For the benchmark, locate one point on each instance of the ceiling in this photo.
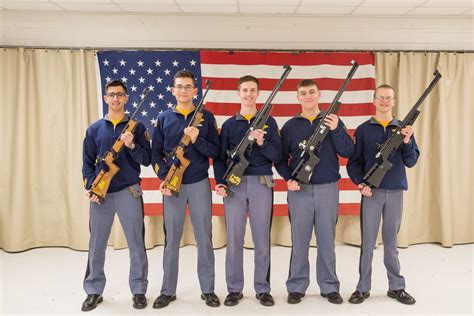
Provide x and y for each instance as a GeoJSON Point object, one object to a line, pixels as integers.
{"type": "Point", "coordinates": [345, 8]}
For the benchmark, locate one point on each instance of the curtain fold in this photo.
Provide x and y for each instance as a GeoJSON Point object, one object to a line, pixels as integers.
{"type": "Point", "coordinates": [49, 98]}
{"type": "Point", "coordinates": [438, 205]}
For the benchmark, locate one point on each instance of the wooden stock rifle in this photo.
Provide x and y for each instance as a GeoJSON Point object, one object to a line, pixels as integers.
{"type": "Point", "coordinates": [175, 174]}
{"type": "Point", "coordinates": [101, 183]}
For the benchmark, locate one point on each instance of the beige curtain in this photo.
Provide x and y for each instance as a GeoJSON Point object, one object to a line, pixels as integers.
{"type": "Point", "coordinates": [49, 98]}
{"type": "Point", "coordinates": [438, 205]}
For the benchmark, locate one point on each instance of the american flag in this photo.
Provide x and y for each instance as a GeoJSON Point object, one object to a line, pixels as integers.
{"type": "Point", "coordinates": [155, 69]}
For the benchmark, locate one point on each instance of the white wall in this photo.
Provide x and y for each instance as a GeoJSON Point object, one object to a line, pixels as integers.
{"type": "Point", "coordinates": [24, 28]}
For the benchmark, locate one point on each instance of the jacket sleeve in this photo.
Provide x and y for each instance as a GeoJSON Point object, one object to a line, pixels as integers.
{"type": "Point", "coordinates": [271, 147]}
{"type": "Point", "coordinates": [89, 154]}
{"type": "Point", "coordinates": [141, 153]}
{"type": "Point", "coordinates": [158, 157]}
{"type": "Point", "coordinates": [220, 163]}
{"type": "Point", "coordinates": [342, 140]}
{"type": "Point", "coordinates": [209, 146]}
{"type": "Point", "coordinates": [410, 153]}
{"type": "Point", "coordinates": [282, 166]}
{"type": "Point", "coordinates": [356, 163]}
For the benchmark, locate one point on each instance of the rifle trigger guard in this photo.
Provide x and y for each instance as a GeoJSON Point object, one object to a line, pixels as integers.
{"type": "Point", "coordinates": [302, 145]}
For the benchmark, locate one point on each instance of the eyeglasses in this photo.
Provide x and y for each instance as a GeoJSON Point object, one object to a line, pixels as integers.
{"type": "Point", "coordinates": [116, 94]}
{"type": "Point", "coordinates": [381, 98]}
{"type": "Point", "coordinates": [186, 87]}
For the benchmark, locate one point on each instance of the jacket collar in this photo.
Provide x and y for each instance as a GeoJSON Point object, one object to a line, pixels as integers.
{"type": "Point", "coordinates": [393, 122]}
{"type": "Point", "coordinates": [126, 118]}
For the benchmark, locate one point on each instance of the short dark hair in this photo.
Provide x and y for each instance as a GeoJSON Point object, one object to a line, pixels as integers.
{"type": "Point", "coordinates": [306, 83]}
{"type": "Point", "coordinates": [386, 86]}
{"type": "Point", "coordinates": [116, 83]}
{"type": "Point", "coordinates": [184, 74]}
{"type": "Point", "coordinates": [246, 79]}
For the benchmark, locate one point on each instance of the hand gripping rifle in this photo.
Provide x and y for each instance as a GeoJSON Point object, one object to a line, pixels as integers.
{"type": "Point", "coordinates": [237, 160]}
{"type": "Point", "coordinates": [377, 172]}
{"type": "Point", "coordinates": [308, 157]}
{"type": "Point", "coordinates": [101, 183]}
{"type": "Point", "coordinates": [175, 173]}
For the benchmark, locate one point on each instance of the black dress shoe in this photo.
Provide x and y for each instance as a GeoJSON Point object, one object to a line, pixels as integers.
{"type": "Point", "coordinates": [211, 299]}
{"type": "Point", "coordinates": [163, 301]}
{"type": "Point", "coordinates": [265, 299]}
{"type": "Point", "coordinates": [233, 299]}
{"type": "Point", "coordinates": [91, 302]}
{"type": "Point", "coordinates": [294, 297]}
{"type": "Point", "coordinates": [401, 296]}
{"type": "Point", "coordinates": [358, 297]}
{"type": "Point", "coordinates": [139, 301]}
{"type": "Point", "coordinates": [333, 297]}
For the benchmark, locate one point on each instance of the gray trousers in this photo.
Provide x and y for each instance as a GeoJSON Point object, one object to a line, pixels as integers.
{"type": "Point", "coordinates": [255, 198]}
{"type": "Point", "coordinates": [313, 206]}
{"type": "Point", "coordinates": [130, 213]}
{"type": "Point", "coordinates": [198, 197]}
{"type": "Point", "coordinates": [386, 203]}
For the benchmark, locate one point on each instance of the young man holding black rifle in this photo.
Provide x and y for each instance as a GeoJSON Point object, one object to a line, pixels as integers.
{"type": "Point", "coordinates": [113, 142]}
{"type": "Point", "coordinates": [310, 167]}
{"type": "Point", "coordinates": [381, 186]}
{"type": "Point", "coordinates": [247, 188]}
{"type": "Point", "coordinates": [175, 136]}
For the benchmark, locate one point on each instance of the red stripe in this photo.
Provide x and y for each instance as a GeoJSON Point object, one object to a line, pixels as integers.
{"type": "Point", "coordinates": [156, 209]}
{"type": "Point", "coordinates": [282, 58]}
{"type": "Point", "coordinates": [290, 84]}
{"type": "Point", "coordinates": [230, 109]}
{"type": "Point", "coordinates": [152, 184]}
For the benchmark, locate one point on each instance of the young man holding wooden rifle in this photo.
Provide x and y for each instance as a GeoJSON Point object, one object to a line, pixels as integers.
{"type": "Point", "coordinates": [194, 191]}
{"type": "Point", "coordinates": [253, 194]}
{"type": "Point", "coordinates": [124, 195]}
{"type": "Point", "coordinates": [387, 199]}
{"type": "Point", "coordinates": [313, 203]}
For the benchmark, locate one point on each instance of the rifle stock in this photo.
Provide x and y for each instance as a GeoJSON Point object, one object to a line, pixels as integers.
{"type": "Point", "coordinates": [377, 172]}
{"type": "Point", "coordinates": [101, 183]}
{"type": "Point", "coordinates": [234, 174]}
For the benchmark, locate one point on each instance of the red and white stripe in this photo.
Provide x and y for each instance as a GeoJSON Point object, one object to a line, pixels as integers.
{"type": "Point", "coordinates": [329, 71]}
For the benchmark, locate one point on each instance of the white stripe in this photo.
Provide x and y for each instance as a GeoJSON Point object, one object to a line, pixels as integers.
{"type": "Point", "coordinates": [147, 172]}
{"type": "Point", "coordinates": [351, 122]}
{"type": "Point", "coordinates": [289, 97]}
{"type": "Point", "coordinates": [352, 196]}
{"type": "Point", "coordinates": [275, 72]}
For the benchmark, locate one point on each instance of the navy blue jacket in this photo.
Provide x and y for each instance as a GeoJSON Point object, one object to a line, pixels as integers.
{"type": "Point", "coordinates": [100, 137]}
{"type": "Point", "coordinates": [167, 135]}
{"type": "Point", "coordinates": [260, 157]}
{"type": "Point", "coordinates": [337, 142]}
{"type": "Point", "coordinates": [368, 135]}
